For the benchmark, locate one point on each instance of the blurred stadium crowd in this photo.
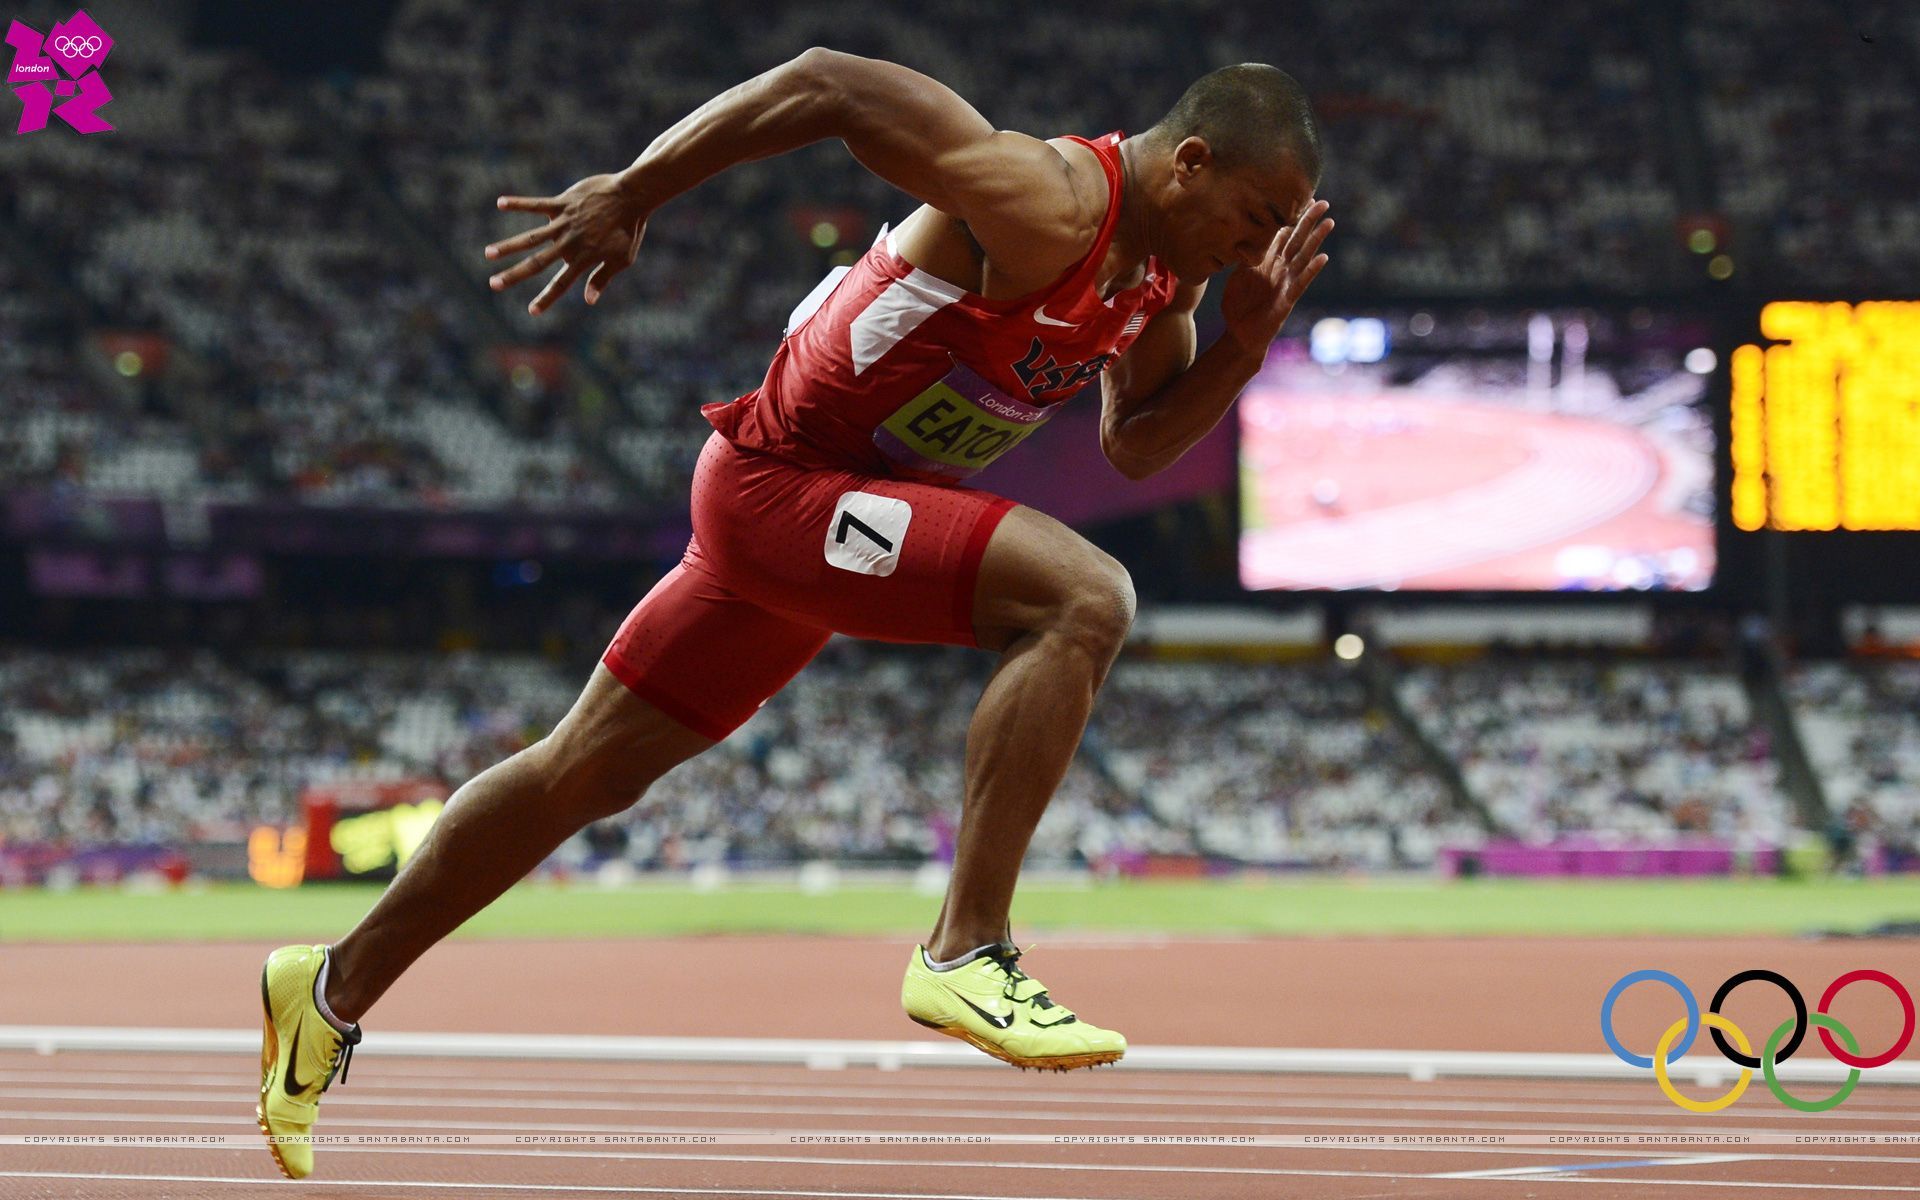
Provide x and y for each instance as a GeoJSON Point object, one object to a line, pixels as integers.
{"type": "Point", "coordinates": [328, 336]}
{"type": "Point", "coordinates": [269, 288]}
{"type": "Point", "coordinates": [860, 759]}
{"type": "Point", "coordinates": [1862, 730]}
{"type": "Point", "coordinates": [1643, 749]}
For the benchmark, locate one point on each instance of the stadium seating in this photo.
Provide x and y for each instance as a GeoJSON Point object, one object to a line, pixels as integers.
{"type": "Point", "coordinates": [311, 359]}
{"type": "Point", "coordinates": [1475, 148]}
{"type": "Point", "coordinates": [1639, 749]}
{"type": "Point", "coordinates": [1861, 726]}
{"type": "Point", "coordinates": [298, 243]}
{"type": "Point", "coordinates": [1273, 764]}
{"type": "Point", "coordinates": [861, 758]}
{"type": "Point", "coordinates": [302, 248]}
{"type": "Point", "coordinates": [1806, 110]}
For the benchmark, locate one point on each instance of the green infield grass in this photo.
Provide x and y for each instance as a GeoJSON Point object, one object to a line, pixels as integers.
{"type": "Point", "coordinates": [1344, 906]}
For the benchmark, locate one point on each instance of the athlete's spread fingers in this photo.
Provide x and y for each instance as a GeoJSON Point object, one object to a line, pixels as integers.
{"type": "Point", "coordinates": [1298, 261]}
{"type": "Point", "coordinates": [550, 205]}
{"type": "Point", "coordinates": [598, 281]}
{"type": "Point", "coordinates": [1308, 276]}
{"type": "Point", "coordinates": [1291, 239]}
{"type": "Point", "coordinates": [1276, 248]}
{"type": "Point", "coordinates": [556, 287]}
{"type": "Point", "coordinates": [1312, 245]}
{"type": "Point", "coordinates": [526, 267]}
{"type": "Point", "coordinates": [1314, 212]}
{"type": "Point", "coordinates": [526, 240]}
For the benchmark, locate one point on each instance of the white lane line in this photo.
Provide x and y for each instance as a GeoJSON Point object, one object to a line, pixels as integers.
{"type": "Point", "coordinates": [604, 1189]}
{"type": "Point", "coordinates": [336, 1103]}
{"type": "Point", "coordinates": [812, 1160]}
{"type": "Point", "coordinates": [1412, 1121]}
{"type": "Point", "coordinates": [1076, 1090]}
{"type": "Point", "coordinates": [166, 1084]}
{"type": "Point", "coordinates": [1427, 1095]}
{"type": "Point", "coordinates": [371, 1125]}
{"type": "Point", "coordinates": [409, 1091]}
{"type": "Point", "coordinates": [831, 1054]}
{"type": "Point", "coordinates": [1026, 1122]}
{"type": "Point", "coordinates": [163, 1088]}
{"type": "Point", "coordinates": [1080, 1098]}
{"type": "Point", "coordinates": [1637, 1161]}
{"type": "Point", "coordinates": [1676, 1158]}
{"type": "Point", "coordinates": [1144, 1168]}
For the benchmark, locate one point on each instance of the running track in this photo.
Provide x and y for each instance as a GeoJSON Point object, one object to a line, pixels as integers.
{"type": "Point", "coordinates": [198, 1094]}
{"type": "Point", "coordinates": [1519, 994]}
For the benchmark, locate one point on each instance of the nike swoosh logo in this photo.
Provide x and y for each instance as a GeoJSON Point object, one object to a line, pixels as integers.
{"type": "Point", "coordinates": [989, 1018]}
{"type": "Point", "coordinates": [293, 1086]}
{"type": "Point", "coordinates": [1040, 315]}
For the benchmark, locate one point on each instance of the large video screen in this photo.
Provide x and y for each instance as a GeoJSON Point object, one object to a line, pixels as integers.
{"type": "Point", "coordinates": [1476, 449]}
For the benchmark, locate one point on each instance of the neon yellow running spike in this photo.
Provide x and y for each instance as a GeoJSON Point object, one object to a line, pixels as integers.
{"type": "Point", "coordinates": [992, 1005]}
{"type": "Point", "coordinates": [299, 1055]}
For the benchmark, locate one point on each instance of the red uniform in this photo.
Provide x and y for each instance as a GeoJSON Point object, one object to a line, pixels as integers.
{"type": "Point", "coordinates": [827, 499]}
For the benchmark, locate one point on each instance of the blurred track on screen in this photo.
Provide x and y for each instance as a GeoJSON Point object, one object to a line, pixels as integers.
{"type": "Point", "coordinates": [1515, 451]}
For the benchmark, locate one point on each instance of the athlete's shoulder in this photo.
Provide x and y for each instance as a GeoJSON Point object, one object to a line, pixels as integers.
{"type": "Point", "coordinates": [1036, 206]}
{"type": "Point", "coordinates": [1092, 176]}
{"type": "Point", "coordinates": [1052, 221]}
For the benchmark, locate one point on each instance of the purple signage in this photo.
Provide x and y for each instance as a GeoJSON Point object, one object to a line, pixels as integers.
{"type": "Point", "coordinates": [64, 519]}
{"type": "Point", "coordinates": [1596, 857]}
{"type": "Point", "coordinates": [74, 48]}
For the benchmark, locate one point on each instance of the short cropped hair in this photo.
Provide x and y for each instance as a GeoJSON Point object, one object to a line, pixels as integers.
{"type": "Point", "coordinates": [1248, 113]}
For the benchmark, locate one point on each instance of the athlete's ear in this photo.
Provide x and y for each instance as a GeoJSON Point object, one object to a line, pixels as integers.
{"type": "Point", "coordinates": [1192, 158]}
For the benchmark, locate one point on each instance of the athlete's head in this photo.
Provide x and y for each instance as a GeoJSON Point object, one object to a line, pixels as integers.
{"type": "Point", "coordinates": [1236, 157]}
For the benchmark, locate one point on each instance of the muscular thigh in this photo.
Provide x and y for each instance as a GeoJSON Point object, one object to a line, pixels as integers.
{"type": "Point", "coordinates": [876, 558]}
{"type": "Point", "coordinates": [704, 655]}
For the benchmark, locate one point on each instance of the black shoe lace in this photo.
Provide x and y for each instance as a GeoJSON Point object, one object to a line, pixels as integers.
{"type": "Point", "coordinates": [1007, 958]}
{"type": "Point", "coordinates": [342, 1057]}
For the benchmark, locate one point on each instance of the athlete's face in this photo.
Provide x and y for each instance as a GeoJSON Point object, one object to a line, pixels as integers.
{"type": "Point", "coordinates": [1218, 217]}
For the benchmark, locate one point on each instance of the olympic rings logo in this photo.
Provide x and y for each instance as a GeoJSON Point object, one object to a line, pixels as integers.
{"type": "Point", "coordinates": [77, 47]}
{"type": "Point", "coordinates": [1688, 1027]}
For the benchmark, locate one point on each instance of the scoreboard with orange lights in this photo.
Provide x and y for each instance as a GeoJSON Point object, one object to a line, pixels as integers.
{"type": "Point", "coordinates": [1826, 418]}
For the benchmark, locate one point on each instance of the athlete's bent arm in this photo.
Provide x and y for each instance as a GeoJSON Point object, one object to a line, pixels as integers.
{"type": "Point", "coordinates": [1144, 425]}
{"type": "Point", "coordinates": [1158, 400]}
{"type": "Point", "coordinates": [1018, 195]}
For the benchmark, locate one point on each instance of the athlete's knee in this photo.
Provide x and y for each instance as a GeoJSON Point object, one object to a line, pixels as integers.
{"type": "Point", "coordinates": [1041, 578]}
{"type": "Point", "coordinates": [1098, 610]}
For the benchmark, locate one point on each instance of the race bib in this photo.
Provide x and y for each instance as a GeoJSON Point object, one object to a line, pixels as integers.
{"type": "Point", "coordinates": [867, 533]}
{"type": "Point", "coordinates": [957, 426]}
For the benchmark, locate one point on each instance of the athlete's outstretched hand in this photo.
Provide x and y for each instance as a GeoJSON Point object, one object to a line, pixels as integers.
{"type": "Point", "coordinates": [1259, 297]}
{"type": "Point", "coordinates": [592, 226]}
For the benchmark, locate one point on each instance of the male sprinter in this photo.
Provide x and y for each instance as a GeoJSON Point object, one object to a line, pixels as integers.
{"type": "Point", "coordinates": [829, 498]}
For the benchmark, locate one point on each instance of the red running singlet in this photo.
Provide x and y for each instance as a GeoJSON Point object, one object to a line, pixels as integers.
{"type": "Point", "coordinates": [828, 500]}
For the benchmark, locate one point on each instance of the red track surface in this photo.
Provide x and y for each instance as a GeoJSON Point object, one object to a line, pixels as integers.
{"type": "Point", "coordinates": [1520, 994]}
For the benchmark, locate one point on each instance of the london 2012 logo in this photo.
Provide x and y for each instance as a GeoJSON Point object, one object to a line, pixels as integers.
{"type": "Point", "coordinates": [1790, 1032]}
{"type": "Point", "coordinates": [63, 64]}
